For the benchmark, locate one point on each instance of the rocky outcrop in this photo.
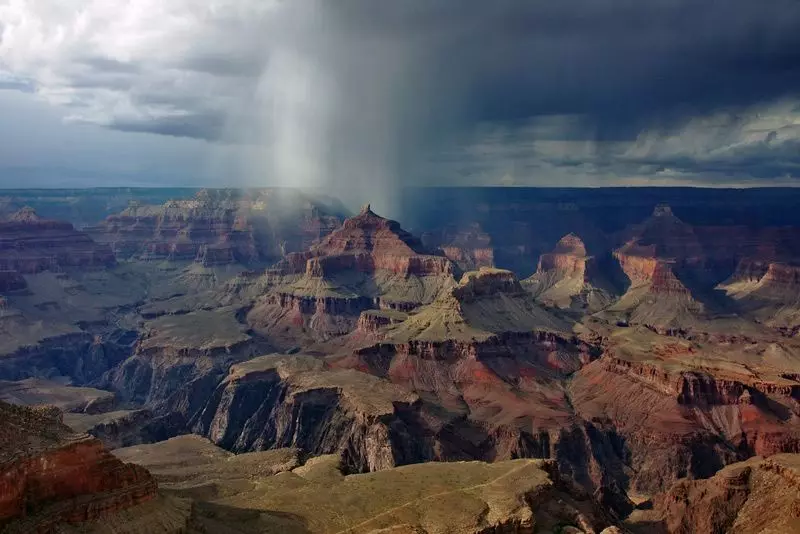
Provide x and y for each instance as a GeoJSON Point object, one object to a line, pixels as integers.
{"type": "Point", "coordinates": [735, 499]}
{"type": "Point", "coordinates": [568, 277]}
{"type": "Point", "coordinates": [30, 244]}
{"type": "Point", "coordinates": [366, 243]}
{"type": "Point", "coordinates": [295, 401]}
{"type": "Point", "coordinates": [318, 496]}
{"type": "Point", "coordinates": [369, 263]}
{"type": "Point", "coordinates": [50, 475]}
{"type": "Point", "coordinates": [219, 227]}
{"type": "Point", "coordinates": [678, 420]}
{"type": "Point", "coordinates": [81, 356]}
{"type": "Point", "coordinates": [181, 359]}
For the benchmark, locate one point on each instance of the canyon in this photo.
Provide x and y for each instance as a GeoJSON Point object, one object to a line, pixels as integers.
{"type": "Point", "coordinates": [614, 349]}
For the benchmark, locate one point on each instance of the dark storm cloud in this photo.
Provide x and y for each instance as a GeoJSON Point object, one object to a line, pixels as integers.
{"type": "Point", "coordinates": [382, 85]}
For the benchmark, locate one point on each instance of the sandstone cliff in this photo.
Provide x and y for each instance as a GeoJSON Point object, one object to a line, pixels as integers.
{"type": "Point", "coordinates": [369, 263]}
{"type": "Point", "coordinates": [568, 277]}
{"type": "Point", "coordinates": [760, 495]}
{"type": "Point", "coordinates": [51, 475]}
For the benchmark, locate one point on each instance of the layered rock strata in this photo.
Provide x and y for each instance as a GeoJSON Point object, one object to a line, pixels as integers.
{"type": "Point", "coordinates": [51, 475]}
{"type": "Point", "coordinates": [30, 244]}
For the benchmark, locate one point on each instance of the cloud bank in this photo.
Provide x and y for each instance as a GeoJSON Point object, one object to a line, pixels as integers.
{"type": "Point", "coordinates": [362, 95]}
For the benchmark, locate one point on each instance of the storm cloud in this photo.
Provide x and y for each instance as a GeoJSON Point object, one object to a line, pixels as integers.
{"type": "Point", "coordinates": [362, 94]}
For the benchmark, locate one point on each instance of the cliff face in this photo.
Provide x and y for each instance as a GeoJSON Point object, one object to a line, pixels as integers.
{"type": "Point", "coordinates": [30, 244]}
{"type": "Point", "coordinates": [49, 475]}
{"type": "Point", "coordinates": [220, 227]}
{"type": "Point", "coordinates": [369, 263]}
{"type": "Point", "coordinates": [680, 419]}
{"type": "Point", "coordinates": [736, 499]}
{"type": "Point", "coordinates": [81, 356]}
{"type": "Point", "coordinates": [295, 401]}
{"type": "Point", "coordinates": [568, 277]}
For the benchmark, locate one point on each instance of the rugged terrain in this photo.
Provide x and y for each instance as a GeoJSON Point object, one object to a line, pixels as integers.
{"type": "Point", "coordinates": [277, 491]}
{"type": "Point", "coordinates": [51, 475]}
{"type": "Point", "coordinates": [639, 347]}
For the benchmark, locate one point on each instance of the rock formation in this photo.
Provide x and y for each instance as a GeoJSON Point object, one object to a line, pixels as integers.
{"type": "Point", "coordinates": [317, 497]}
{"type": "Point", "coordinates": [767, 291]}
{"type": "Point", "coordinates": [760, 495]}
{"type": "Point", "coordinates": [567, 277]}
{"type": "Point", "coordinates": [50, 475]}
{"type": "Point", "coordinates": [368, 263]}
{"type": "Point", "coordinates": [220, 227]}
{"type": "Point", "coordinates": [687, 408]}
{"type": "Point", "coordinates": [30, 244]}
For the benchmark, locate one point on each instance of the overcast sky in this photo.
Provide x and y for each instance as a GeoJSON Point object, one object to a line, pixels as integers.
{"type": "Point", "coordinates": [363, 95]}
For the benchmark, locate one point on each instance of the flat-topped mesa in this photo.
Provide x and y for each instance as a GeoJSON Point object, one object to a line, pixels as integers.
{"type": "Point", "coordinates": [30, 244]}
{"type": "Point", "coordinates": [50, 475]}
{"type": "Point", "coordinates": [486, 282]}
{"type": "Point", "coordinates": [568, 277]}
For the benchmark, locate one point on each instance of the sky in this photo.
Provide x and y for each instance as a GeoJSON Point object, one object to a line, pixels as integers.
{"type": "Point", "coordinates": [361, 96]}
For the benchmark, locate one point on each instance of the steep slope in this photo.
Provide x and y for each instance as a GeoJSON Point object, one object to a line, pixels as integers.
{"type": "Point", "coordinates": [769, 291]}
{"type": "Point", "coordinates": [758, 496]}
{"type": "Point", "coordinates": [369, 263]}
{"type": "Point", "coordinates": [688, 407]}
{"type": "Point", "coordinates": [659, 257]}
{"type": "Point", "coordinates": [50, 475]}
{"type": "Point", "coordinates": [489, 365]}
{"type": "Point", "coordinates": [299, 401]}
{"type": "Point", "coordinates": [568, 277]}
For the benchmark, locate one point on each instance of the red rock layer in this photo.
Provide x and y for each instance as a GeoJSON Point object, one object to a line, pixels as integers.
{"type": "Point", "coordinates": [49, 475]}
{"type": "Point", "coordinates": [654, 272]}
{"type": "Point", "coordinates": [748, 498]}
{"type": "Point", "coordinates": [782, 276]}
{"type": "Point", "coordinates": [367, 243]}
{"type": "Point", "coordinates": [30, 245]}
{"type": "Point", "coordinates": [568, 259]}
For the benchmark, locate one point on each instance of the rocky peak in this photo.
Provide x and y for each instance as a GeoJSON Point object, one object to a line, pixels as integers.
{"type": "Point", "coordinates": [369, 232]}
{"type": "Point", "coordinates": [571, 244]}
